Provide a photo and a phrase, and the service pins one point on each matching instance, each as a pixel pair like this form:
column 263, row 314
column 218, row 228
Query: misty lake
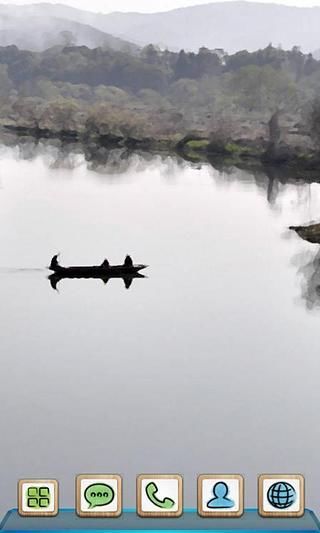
column 210, row 364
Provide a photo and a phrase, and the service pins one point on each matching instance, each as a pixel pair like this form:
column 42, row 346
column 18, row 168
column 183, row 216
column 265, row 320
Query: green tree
column 262, row 88
column 182, row 67
column 6, row 84
column 61, row 115
column 314, row 121
column 151, row 55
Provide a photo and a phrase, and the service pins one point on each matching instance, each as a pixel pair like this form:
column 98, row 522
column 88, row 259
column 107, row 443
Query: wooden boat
column 128, row 272
column 309, row 233
column 128, row 268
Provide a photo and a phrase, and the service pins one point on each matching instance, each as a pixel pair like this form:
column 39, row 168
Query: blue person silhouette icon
column 220, row 500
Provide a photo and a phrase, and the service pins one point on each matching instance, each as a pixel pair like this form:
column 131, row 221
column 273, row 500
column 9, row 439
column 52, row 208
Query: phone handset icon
column 151, row 491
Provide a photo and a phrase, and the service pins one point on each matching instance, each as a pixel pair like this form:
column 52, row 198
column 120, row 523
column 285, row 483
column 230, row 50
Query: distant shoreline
column 191, row 147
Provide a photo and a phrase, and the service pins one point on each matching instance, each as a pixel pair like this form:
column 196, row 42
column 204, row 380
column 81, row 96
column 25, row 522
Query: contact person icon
column 220, row 501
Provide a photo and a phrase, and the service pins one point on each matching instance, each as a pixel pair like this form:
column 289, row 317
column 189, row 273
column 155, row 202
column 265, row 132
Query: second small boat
column 309, row 233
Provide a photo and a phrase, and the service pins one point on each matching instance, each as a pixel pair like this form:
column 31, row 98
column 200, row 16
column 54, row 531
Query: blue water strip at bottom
column 68, row 521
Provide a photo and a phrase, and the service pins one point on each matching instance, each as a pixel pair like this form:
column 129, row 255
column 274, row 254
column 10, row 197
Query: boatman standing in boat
column 128, row 262
column 54, row 263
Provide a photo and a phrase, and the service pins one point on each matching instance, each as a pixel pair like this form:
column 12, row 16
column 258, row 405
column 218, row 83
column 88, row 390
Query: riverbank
column 193, row 147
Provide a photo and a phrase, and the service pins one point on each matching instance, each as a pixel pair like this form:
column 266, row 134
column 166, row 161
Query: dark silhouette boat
column 128, row 271
column 309, row 233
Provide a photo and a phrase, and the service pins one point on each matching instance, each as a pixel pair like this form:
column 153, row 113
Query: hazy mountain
column 33, row 28
column 232, row 26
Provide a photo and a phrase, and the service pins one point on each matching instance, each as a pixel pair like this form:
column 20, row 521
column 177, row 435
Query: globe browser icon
column 281, row 495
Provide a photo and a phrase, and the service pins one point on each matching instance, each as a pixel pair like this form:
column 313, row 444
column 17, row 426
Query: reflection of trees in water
column 272, row 182
column 104, row 161
column 308, row 265
column 281, row 179
column 55, row 153
column 109, row 162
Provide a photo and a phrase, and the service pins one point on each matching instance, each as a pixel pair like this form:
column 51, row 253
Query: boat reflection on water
column 127, row 279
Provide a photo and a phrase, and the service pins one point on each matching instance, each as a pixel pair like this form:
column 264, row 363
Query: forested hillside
column 159, row 94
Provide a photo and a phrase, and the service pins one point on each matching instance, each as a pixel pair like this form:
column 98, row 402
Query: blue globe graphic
column 281, row 495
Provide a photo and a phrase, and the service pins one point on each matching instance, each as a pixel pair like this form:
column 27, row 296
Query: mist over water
column 208, row 365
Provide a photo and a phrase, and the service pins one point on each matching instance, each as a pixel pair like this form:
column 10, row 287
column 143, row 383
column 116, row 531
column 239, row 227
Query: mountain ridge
column 233, row 26
column 32, row 29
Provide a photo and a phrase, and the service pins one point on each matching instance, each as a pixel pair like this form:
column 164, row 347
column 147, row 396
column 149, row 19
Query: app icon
column 159, row 495
column 38, row 497
column 99, row 495
column 220, row 495
column 152, row 490
column 281, row 495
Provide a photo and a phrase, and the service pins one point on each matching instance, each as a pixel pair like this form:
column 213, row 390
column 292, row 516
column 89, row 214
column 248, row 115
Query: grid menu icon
column 38, row 497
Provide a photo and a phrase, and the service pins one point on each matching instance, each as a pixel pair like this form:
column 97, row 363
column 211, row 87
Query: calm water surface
column 211, row 364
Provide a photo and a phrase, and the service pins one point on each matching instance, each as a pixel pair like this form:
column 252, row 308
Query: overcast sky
column 148, row 5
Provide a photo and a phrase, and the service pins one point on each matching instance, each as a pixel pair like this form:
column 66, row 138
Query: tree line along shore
column 259, row 105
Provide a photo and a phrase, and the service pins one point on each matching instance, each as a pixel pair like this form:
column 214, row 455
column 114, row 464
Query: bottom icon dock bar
column 190, row 520
column 161, row 496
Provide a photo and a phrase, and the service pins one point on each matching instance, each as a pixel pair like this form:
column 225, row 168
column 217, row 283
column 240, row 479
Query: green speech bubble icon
column 98, row 495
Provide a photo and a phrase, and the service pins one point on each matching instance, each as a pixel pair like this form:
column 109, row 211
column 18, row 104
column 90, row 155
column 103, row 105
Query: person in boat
column 105, row 264
column 54, row 265
column 128, row 263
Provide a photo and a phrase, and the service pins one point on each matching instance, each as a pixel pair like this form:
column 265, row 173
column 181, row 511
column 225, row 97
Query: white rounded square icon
column 159, row 495
column 38, row 497
column 220, row 495
column 281, row 495
column 99, row 495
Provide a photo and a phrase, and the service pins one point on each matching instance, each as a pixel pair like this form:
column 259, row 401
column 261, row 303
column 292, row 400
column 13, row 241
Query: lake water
column 211, row 364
